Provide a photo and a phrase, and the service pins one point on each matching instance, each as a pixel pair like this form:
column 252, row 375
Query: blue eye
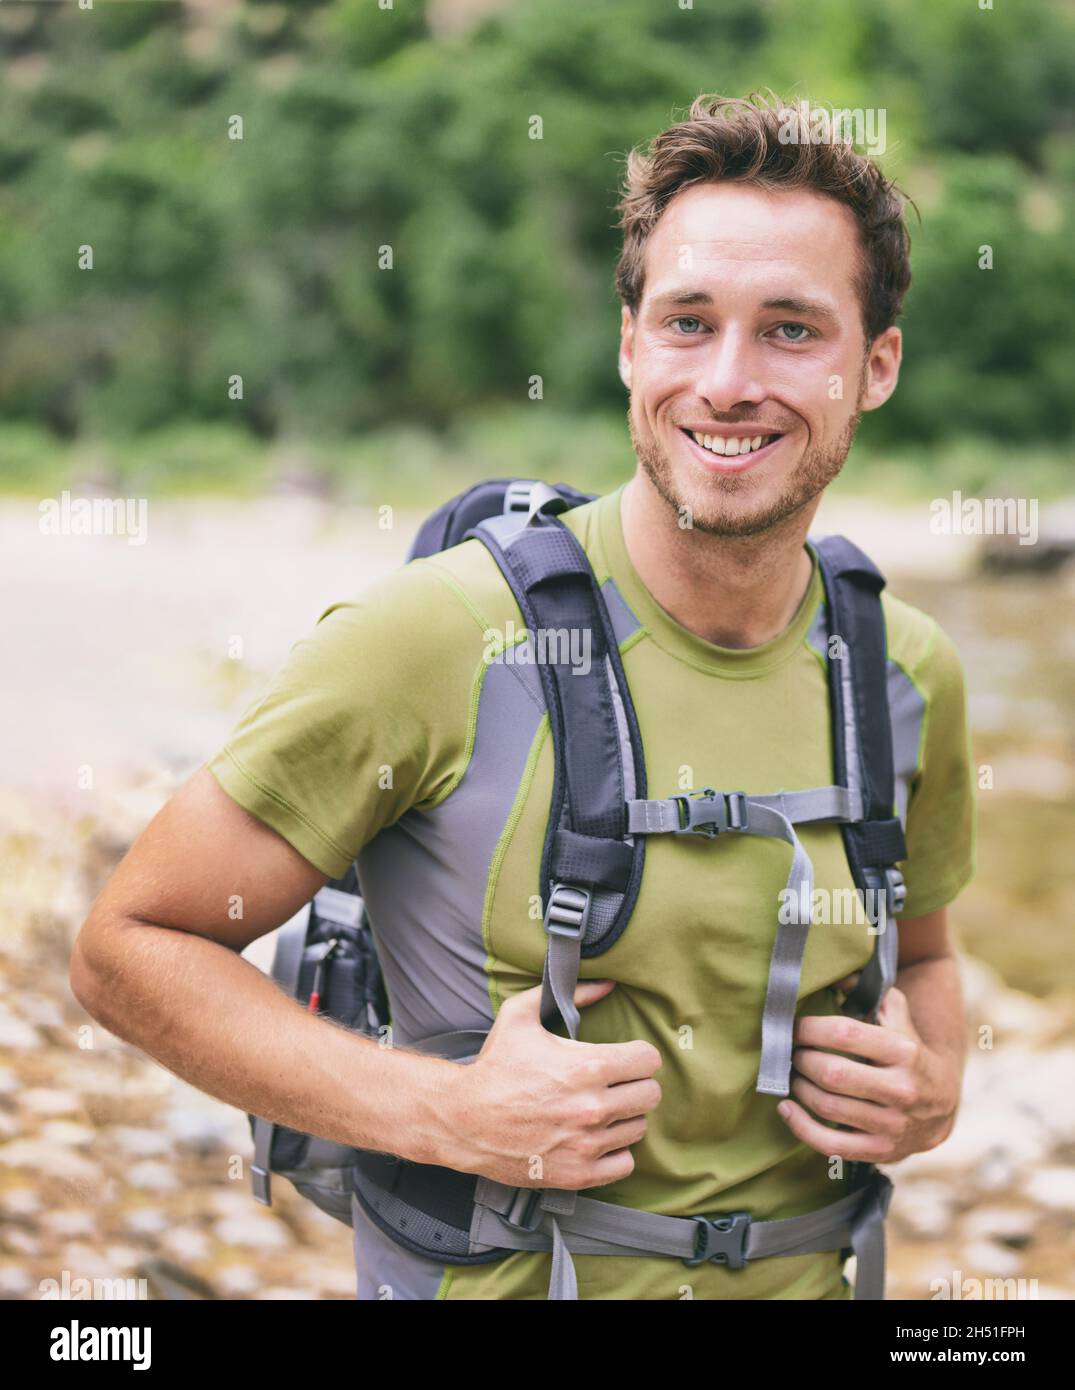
column 807, row 332
column 687, row 319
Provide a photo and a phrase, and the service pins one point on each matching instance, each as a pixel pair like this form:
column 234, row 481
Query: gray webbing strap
column 785, row 963
column 772, row 815
column 565, row 925
column 855, row 1221
column 835, row 804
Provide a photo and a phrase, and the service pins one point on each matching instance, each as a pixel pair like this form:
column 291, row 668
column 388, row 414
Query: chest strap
column 711, row 813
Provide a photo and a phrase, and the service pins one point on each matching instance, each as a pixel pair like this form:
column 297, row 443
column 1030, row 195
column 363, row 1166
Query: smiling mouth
column 723, row 454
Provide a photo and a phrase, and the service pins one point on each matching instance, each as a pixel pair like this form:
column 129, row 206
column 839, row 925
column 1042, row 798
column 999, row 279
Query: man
column 761, row 278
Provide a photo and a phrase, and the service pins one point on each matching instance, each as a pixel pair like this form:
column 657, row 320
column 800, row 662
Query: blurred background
column 293, row 344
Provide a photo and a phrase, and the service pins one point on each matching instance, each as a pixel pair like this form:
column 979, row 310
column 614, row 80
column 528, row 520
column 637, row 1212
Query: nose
column 729, row 372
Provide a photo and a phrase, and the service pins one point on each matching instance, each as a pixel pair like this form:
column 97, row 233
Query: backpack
column 590, row 873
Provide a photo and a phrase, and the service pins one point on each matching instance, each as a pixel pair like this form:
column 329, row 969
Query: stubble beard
column 818, row 467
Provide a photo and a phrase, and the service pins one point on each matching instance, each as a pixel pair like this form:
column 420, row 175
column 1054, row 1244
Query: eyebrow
column 810, row 308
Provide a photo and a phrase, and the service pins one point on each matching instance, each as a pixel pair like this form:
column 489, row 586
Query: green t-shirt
column 372, row 726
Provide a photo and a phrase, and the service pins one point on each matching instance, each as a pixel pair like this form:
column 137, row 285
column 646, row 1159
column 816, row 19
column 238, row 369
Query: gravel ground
column 119, row 684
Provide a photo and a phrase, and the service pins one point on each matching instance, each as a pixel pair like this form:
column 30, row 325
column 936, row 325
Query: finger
column 848, row 983
column 628, row 1099
column 590, row 991
column 833, row 1143
column 621, row 1135
column 863, row 1115
column 626, row 1061
column 884, row 1046
column 841, row 1076
column 895, row 1013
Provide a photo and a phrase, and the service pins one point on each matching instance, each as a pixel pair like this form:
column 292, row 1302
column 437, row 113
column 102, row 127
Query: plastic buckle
column 517, row 497
column 729, row 812
column 568, row 911
column 730, row 1242
column 895, row 892
column 261, row 1185
column 524, row 1205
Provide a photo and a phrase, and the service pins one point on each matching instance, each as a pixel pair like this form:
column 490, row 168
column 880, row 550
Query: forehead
column 753, row 237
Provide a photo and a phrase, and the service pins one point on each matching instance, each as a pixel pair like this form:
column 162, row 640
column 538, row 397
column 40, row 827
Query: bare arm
column 157, row 962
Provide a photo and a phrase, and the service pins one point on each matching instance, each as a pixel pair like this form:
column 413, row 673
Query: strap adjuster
column 721, row 1240
column 890, row 882
column 568, row 911
column 707, row 812
column 525, row 1211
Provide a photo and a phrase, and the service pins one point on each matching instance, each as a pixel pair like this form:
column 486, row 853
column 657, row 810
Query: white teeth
column 729, row 448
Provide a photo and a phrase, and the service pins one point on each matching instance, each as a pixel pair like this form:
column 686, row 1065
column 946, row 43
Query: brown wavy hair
column 738, row 139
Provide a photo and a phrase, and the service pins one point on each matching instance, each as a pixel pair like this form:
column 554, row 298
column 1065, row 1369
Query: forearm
column 935, row 1000
column 217, row 1021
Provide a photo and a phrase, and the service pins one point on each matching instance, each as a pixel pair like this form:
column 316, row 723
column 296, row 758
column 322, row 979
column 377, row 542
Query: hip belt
column 567, row 1223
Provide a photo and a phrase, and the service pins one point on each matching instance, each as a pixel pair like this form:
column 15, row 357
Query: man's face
column 750, row 326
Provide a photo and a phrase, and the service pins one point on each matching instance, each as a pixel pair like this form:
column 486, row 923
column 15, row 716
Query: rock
column 985, row 1259
column 70, row 1221
column 49, row 1161
column 44, row 1100
column 255, row 1232
column 923, row 1210
column 21, row 1242
column 154, row 1176
column 236, row 1279
column 1010, row 1226
column 234, row 1201
column 75, row 1136
column 139, row 1143
column 1052, row 1187
column 21, row 1201
column 169, row 1281
column 146, row 1221
column 186, row 1243
column 14, row 1281
column 123, row 1258
column 15, row 1033
column 41, row 1010
column 8, row 1081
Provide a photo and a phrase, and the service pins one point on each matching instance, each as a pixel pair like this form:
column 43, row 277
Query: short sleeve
column 941, row 829
column 368, row 716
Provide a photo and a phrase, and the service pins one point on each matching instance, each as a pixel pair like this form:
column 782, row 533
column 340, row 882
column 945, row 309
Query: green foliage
column 367, row 128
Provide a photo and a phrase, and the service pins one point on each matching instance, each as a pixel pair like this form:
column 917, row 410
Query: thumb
column 895, row 1012
column 527, row 1003
column 590, row 991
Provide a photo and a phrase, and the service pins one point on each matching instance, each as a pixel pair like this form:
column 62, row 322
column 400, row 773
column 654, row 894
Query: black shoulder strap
column 457, row 517
column 598, row 761
column 862, row 743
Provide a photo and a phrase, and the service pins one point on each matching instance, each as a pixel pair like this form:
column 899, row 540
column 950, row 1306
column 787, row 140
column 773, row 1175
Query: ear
column 627, row 336
column 882, row 368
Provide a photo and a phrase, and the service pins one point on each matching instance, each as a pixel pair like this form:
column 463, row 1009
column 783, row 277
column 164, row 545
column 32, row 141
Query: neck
column 733, row 591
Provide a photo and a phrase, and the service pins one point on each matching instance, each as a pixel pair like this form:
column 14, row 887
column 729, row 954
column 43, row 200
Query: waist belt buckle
column 721, row 1239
